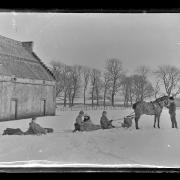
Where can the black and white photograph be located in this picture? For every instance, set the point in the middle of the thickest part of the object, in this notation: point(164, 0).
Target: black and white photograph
point(89, 89)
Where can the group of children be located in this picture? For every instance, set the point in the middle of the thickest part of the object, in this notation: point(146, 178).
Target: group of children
point(87, 125)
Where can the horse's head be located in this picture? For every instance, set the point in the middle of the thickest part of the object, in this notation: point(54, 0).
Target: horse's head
point(164, 101)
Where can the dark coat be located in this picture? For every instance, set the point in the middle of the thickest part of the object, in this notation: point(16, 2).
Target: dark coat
point(127, 122)
point(78, 124)
point(35, 128)
point(105, 122)
point(89, 126)
point(172, 108)
point(12, 131)
point(79, 120)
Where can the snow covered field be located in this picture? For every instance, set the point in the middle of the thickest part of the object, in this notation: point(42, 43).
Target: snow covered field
point(115, 147)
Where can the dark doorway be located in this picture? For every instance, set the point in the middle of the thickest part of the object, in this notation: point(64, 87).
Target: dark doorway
point(43, 107)
point(13, 109)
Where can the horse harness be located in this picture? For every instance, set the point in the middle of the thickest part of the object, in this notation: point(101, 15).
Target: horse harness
point(159, 104)
point(154, 108)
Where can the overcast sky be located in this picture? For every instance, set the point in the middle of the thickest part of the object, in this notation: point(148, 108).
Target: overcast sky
point(91, 39)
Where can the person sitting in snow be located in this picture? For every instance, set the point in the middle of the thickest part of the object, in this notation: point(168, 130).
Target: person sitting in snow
point(172, 112)
point(79, 122)
point(127, 122)
point(105, 122)
point(35, 128)
point(88, 124)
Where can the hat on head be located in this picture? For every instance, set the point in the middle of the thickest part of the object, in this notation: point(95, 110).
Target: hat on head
point(81, 112)
point(104, 112)
point(171, 98)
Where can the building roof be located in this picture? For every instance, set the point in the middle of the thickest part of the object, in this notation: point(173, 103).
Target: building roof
point(18, 59)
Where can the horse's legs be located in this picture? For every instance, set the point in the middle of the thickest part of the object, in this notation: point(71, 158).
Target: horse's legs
point(154, 121)
point(137, 116)
point(158, 121)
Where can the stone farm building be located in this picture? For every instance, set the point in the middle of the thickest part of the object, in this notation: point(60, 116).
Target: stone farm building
point(27, 87)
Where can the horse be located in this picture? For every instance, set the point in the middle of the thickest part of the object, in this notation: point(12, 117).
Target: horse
point(150, 108)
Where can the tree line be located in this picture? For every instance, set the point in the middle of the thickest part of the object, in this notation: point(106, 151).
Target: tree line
point(101, 87)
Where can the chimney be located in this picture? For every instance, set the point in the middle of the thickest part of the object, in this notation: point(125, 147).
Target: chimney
point(28, 46)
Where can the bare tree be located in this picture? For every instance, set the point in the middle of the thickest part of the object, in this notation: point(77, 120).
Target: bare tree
point(74, 83)
point(66, 76)
point(94, 75)
point(85, 77)
point(143, 72)
point(69, 93)
point(114, 70)
point(61, 72)
point(148, 90)
point(156, 89)
point(57, 71)
point(98, 88)
point(127, 90)
point(170, 77)
point(106, 86)
point(142, 89)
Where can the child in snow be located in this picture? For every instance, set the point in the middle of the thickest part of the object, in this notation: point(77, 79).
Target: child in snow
point(105, 122)
point(79, 122)
point(127, 122)
point(172, 112)
point(35, 128)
